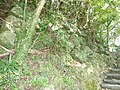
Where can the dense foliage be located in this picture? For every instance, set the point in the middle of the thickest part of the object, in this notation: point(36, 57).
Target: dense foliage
point(68, 31)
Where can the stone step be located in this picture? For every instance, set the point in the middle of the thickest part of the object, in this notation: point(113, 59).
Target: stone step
point(112, 81)
point(110, 86)
point(115, 69)
point(113, 75)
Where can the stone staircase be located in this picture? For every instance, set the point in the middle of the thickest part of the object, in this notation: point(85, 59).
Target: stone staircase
point(111, 79)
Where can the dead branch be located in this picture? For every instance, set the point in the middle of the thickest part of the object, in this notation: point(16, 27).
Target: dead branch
point(7, 50)
point(31, 52)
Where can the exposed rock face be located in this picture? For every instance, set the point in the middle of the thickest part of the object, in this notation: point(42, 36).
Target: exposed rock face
point(7, 37)
point(9, 28)
point(81, 55)
point(12, 25)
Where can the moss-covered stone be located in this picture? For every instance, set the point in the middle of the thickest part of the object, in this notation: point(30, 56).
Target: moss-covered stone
point(8, 38)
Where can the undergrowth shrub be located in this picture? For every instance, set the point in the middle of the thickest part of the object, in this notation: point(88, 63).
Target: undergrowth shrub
point(9, 73)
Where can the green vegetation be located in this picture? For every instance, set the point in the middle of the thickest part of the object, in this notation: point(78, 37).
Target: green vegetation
point(57, 44)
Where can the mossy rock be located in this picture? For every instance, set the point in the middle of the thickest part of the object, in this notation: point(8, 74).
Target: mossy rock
point(7, 38)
